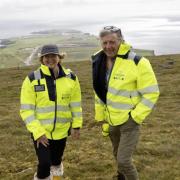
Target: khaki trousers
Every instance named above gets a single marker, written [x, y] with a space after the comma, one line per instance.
[124, 139]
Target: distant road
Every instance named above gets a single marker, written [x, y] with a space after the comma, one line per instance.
[32, 56]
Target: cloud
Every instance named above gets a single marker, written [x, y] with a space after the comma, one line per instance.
[130, 16]
[74, 10]
[75, 2]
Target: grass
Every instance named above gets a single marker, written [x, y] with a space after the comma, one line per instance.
[90, 158]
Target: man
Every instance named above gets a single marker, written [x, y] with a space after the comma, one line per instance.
[126, 91]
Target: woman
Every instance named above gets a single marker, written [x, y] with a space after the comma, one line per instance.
[50, 108]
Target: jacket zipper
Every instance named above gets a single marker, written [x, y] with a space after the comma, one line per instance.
[107, 92]
[55, 115]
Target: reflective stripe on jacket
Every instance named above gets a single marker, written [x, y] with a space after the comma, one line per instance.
[132, 87]
[51, 106]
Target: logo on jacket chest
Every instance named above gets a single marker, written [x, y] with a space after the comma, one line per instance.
[119, 76]
[65, 96]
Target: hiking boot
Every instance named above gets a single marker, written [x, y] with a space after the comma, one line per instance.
[57, 172]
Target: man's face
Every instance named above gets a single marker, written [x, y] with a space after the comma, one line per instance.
[110, 44]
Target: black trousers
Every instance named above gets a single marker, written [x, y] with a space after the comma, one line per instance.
[50, 155]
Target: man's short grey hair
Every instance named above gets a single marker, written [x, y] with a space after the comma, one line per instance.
[110, 30]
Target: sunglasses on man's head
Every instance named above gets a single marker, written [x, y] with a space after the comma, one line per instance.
[112, 28]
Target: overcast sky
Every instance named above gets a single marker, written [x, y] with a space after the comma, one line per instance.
[153, 24]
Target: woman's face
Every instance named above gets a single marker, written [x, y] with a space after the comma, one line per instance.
[50, 60]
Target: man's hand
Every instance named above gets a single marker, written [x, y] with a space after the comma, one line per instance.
[75, 133]
[43, 140]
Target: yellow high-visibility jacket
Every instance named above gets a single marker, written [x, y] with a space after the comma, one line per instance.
[51, 106]
[132, 88]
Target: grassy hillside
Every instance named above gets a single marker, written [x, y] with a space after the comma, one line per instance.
[78, 46]
[90, 158]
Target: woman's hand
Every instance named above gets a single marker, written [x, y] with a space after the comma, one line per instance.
[43, 140]
[75, 133]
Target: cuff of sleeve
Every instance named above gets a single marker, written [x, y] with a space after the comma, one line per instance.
[77, 124]
[135, 117]
[77, 128]
[99, 116]
[38, 134]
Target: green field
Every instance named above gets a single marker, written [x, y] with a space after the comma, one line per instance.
[78, 46]
[90, 158]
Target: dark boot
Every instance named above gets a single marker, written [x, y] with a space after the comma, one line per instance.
[120, 176]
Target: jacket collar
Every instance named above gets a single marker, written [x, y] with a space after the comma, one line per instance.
[47, 71]
[124, 48]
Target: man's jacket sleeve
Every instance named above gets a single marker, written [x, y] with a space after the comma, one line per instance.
[99, 109]
[75, 105]
[27, 111]
[148, 88]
